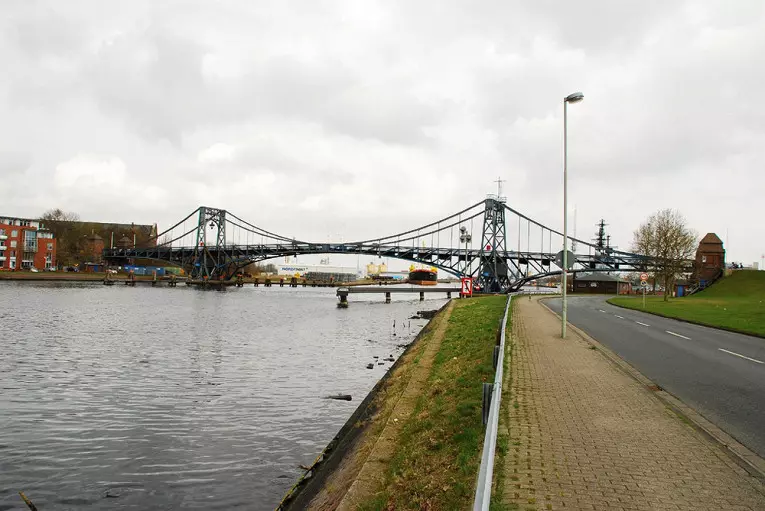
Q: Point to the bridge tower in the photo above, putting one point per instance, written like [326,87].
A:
[208,260]
[493,270]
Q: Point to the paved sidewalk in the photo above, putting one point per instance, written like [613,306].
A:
[585,435]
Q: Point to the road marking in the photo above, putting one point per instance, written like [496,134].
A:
[601,310]
[677,335]
[742,356]
[644,324]
[618,316]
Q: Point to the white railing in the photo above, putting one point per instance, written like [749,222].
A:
[486,472]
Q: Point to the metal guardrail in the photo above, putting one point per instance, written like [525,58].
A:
[486,472]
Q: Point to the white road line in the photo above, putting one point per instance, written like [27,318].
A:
[644,324]
[618,316]
[742,356]
[677,335]
[601,310]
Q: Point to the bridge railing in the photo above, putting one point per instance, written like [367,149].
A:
[486,471]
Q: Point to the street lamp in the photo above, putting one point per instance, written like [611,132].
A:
[465,238]
[571,98]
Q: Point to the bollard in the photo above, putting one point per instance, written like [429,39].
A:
[422,296]
[488,389]
[342,295]
[387,297]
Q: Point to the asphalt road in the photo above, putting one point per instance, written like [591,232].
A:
[719,374]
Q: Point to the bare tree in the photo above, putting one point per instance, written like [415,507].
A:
[643,242]
[65,227]
[165,241]
[666,237]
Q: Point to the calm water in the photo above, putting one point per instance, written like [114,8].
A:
[160,398]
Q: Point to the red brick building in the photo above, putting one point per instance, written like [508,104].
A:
[710,259]
[25,244]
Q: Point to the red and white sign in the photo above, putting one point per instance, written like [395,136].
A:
[467,287]
[643,277]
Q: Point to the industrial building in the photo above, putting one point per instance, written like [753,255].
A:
[25,244]
[600,283]
[319,272]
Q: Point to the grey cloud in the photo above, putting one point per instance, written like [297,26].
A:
[14,163]
[339,101]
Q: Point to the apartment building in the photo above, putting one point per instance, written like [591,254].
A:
[25,244]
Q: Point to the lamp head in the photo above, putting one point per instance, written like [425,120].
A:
[574,97]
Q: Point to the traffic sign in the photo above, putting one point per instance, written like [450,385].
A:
[467,286]
[570,259]
[643,277]
[644,283]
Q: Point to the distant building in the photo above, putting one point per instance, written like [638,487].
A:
[318,272]
[710,259]
[94,248]
[25,244]
[601,283]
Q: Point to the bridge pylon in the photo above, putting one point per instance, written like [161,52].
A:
[492,268]
[206,262]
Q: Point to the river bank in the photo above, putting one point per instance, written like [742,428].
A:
[416,439]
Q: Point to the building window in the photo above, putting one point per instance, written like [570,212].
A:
[703,259]
[14,234]
[30,241]
[50,246]
[13,253]
[13,243]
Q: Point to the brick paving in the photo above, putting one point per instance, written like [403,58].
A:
[585,435]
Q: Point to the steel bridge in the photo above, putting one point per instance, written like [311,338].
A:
[215,243]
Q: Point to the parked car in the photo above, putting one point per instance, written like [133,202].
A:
[33,269]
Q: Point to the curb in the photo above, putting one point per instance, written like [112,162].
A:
[689,321]
[740,454]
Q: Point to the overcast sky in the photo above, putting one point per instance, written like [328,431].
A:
[357,118]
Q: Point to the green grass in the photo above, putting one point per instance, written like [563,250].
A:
[435,463]
[734,303]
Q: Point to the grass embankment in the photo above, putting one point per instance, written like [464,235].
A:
[437,454]
[736,303]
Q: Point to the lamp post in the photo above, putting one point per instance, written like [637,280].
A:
[571,98]
[465,238]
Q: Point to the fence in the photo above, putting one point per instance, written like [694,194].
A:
[486,472]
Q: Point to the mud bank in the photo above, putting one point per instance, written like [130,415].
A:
[328,479]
